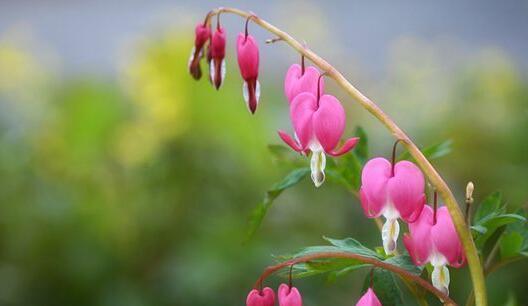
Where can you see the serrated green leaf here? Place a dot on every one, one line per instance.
(385, 286)
(361, 149)
(258, 213)
(511, 245)
(432, 152)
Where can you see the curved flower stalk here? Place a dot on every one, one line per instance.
(369, 299)
(319, 123)
(394, 191)
(264, 297)
(433, 239)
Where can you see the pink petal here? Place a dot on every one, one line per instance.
(418, 242)
(329, 122)
(369, 299)
(374, 179)
(301, 112)
(349, 145)
(266, 297)
(290, 141)
(445, 238)
(248, 56)
(406, 190)
(289, 296)
(295, 82)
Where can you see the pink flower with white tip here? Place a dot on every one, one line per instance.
(300, 79)
(369, 299)
(217, 65)
(248, 62)
(202, 35)
(393, 191)
(433, 239)
(289, 296)
(319, 123)
(264, 297)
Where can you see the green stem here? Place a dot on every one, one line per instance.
(475, 268)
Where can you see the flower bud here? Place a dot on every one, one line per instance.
(217, 66)
(248, 62)
(202, 34)
(289, 296)
(264, 297)
(369, 299)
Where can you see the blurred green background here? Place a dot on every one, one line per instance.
(125, 182)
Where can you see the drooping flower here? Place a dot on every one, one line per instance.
(217, 65)
(289, 296)
(264, 297)
(369, 299)
(433, 239)
(202, 35)
(300, 80)
(248, 62)
(318, 124)
(393, 191)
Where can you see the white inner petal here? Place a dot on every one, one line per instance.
(440, 278)
(317, 165)
(245, 93)
(222, 72)
(389, 235)
(191, 57)
(212, 71)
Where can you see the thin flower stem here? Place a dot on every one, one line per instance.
(369, 260)
(434, 177)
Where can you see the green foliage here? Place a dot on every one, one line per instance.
(514, 241)
(385, 286)
(385, 282)
(490, 217)
(260, 211)
(432, 152)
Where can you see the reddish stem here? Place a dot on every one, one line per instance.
(319, 86)
(393, 163)
(369, 260)
(435, 206)
(302, 64)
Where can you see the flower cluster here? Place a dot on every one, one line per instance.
(394, 190)
(247, 55)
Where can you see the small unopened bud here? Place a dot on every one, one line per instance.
(469, 192)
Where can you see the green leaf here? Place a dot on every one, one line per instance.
(479, 229)
(490, 205)
(492, 223)
(432, 152)
(284, 155)
(405, 262)
(385, 287)
(361, 149)
(353, 246)
(258, 213)
(511, 245)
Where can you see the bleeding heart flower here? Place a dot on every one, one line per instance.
(217, 65)
(434, 239)
(265, 297)
(289, 296)
(301, 80)
(369, 299)
(202, 34)
(394, 192)
(319, 124)
(248, 62)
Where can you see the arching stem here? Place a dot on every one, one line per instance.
(368, 260)
(475, 268)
